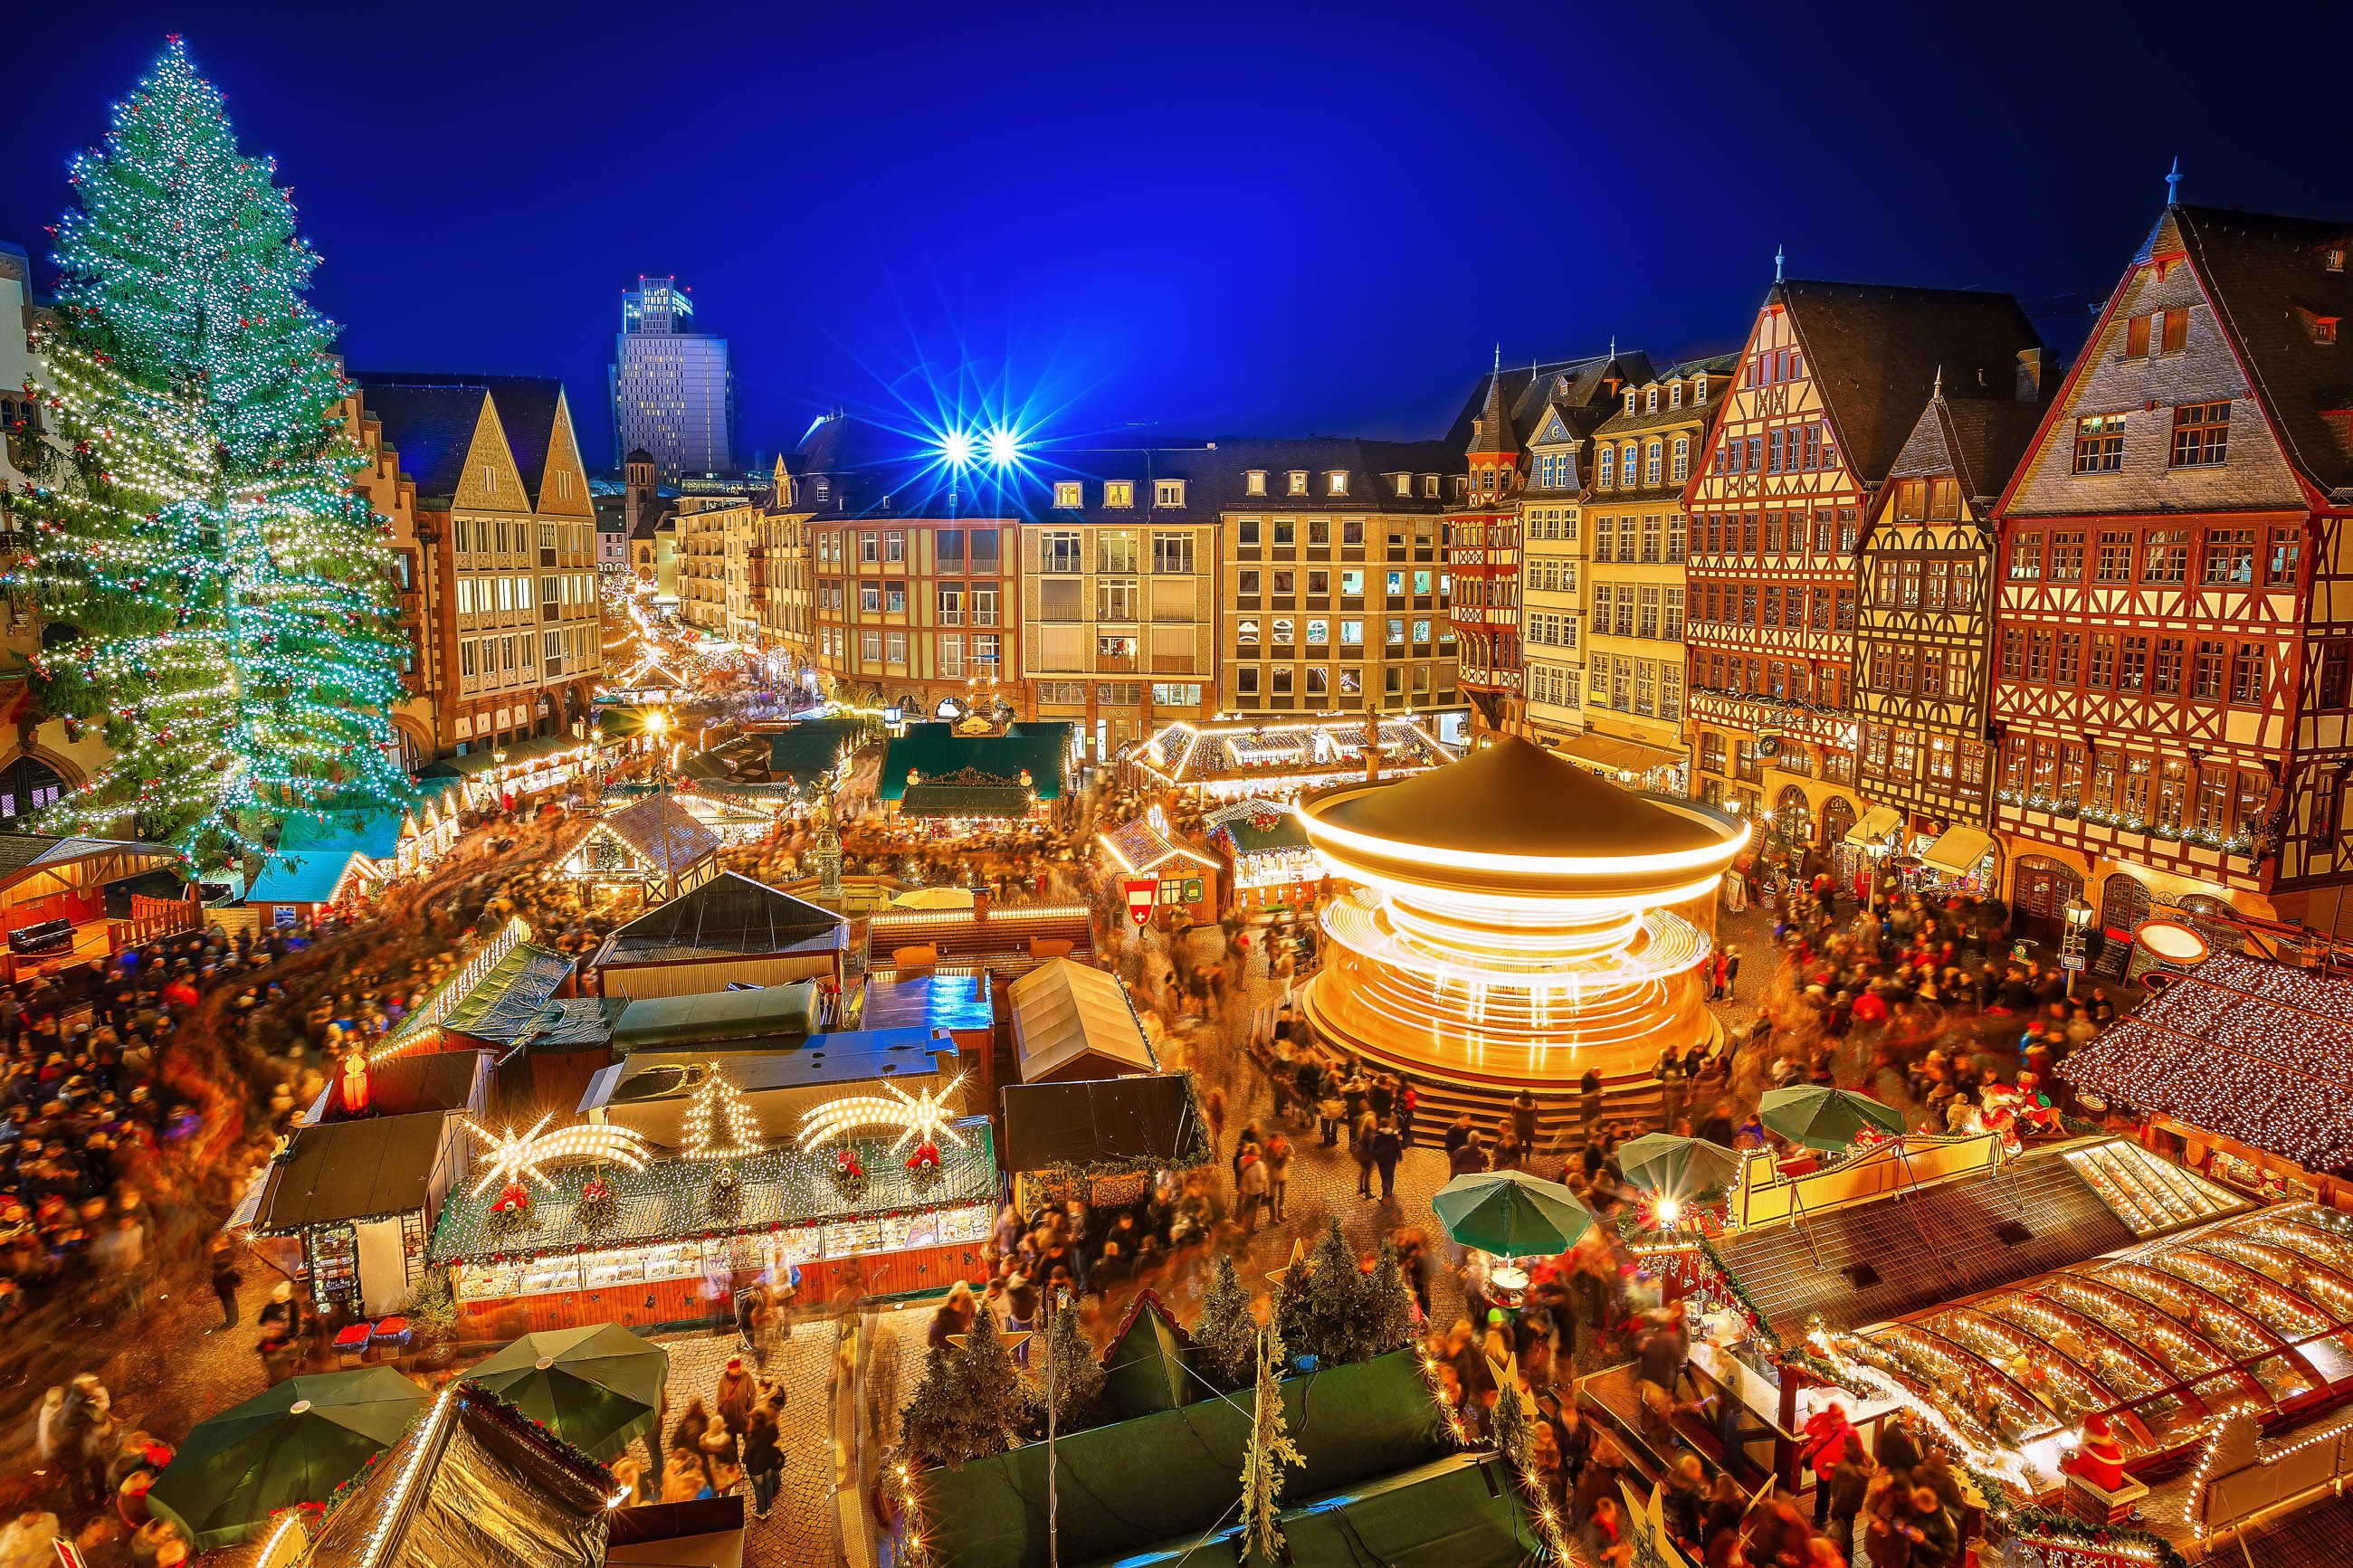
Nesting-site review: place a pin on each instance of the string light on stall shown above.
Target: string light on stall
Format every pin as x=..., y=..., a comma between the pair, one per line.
x=510, y=1156
x=719, y=1120
x=924, y=1117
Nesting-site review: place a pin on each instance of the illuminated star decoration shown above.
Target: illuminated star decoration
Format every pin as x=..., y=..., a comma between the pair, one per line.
x=517, y=1157
x=924, y=1118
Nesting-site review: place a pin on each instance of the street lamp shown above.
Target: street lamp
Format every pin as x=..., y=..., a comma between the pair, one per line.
x=2077, y=918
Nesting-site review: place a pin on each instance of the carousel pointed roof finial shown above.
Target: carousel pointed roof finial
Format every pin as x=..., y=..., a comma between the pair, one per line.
x=1776, y=264
x=1499, y=356
x=2173, y=181
x=1939, y=389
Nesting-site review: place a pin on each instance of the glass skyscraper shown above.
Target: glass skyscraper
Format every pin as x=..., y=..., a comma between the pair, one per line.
x=673, y=393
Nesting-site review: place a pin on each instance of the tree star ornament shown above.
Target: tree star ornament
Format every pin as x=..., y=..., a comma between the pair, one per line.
x=925, y=1117
x=516, y=1158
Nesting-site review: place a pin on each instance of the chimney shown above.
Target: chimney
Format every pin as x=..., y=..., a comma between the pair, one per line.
x=2030, y=375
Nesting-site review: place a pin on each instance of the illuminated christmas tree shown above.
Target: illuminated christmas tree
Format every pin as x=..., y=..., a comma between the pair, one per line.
x=719, y=1120
x=232, y=594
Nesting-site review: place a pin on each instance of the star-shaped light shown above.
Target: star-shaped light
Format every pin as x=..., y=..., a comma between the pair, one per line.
x=924, y=1117
x=512, y=1156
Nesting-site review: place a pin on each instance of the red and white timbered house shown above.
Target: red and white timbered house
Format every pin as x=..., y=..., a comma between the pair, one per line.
x=1833, y=378
x=2176, y=622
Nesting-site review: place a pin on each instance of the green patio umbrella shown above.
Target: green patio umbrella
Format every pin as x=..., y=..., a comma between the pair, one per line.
x=1511, y=1213
x=1820, y=1117
x=596, y=1387
x=1677, y=1167
x=294, y=1443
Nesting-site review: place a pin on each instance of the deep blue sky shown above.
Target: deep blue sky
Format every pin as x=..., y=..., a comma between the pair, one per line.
x=1257, y=220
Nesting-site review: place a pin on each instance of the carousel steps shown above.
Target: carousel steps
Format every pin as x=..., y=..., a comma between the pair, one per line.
x=1560, y=1124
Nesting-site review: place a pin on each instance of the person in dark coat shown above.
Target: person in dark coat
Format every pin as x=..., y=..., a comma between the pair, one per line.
x=1387, y=1150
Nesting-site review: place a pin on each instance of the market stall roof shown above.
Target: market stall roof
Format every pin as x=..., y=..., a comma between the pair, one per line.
x=470, y=1484
x=1147, y=1365
x=970, y=793
x=1877, y=1263
x=710, y=1017
x=810, y=747
x=1241, y=823
x=1099, y=1123
x=1073, y=1022
x=53, y=865
x=1620, y=755
x=1460, y=1511
x=1514, y=798
x=2257, y=1052
x=536, y=749
x=1144, y=845
x=2251, y=1309
x=1958, y=850
x=1231, y=751
x=650, y=1089
x=1876, y=824
x=500, y=1003
x=339, y=1172
x=663, y=834
x=427, y=1081
x=570, y=1023
x=938, y=753
x=730, y=914
x=307, y=877
x=671, y=1198
x=375, y=833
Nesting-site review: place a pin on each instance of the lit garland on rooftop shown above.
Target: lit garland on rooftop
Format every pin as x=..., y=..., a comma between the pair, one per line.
x=200, y=530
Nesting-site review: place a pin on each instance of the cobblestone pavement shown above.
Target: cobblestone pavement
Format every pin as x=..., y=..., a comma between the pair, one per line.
x=800, y=1530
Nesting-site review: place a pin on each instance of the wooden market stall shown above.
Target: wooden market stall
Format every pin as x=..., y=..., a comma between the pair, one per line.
x=1230, y=758
x=941, y=771
x=729, y=931
x=53, y=897
x=1266, y=860
x=655, y=845
x=1072, y=1023
x=1185, y=880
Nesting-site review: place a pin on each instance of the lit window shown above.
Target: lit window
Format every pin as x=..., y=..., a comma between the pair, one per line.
x=1298, y=482
x=1254, y=482
x=1066, y=494
x=1336, y=482
x=1118, y=492
x=1168, y=492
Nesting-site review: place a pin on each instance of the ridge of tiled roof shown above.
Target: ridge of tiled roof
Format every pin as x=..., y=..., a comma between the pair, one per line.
x=1876, y=349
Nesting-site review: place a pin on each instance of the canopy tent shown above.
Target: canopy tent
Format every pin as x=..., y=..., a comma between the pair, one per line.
x=1260, y=827
x=1958, y=850
x=1618, y=756
x=1675, y=1166
x=1460, y=1511
x=1071, y=1022
x=1511, y=1213
x=1876, y=825
x=596, y=1386
x=294, y=1442
x=1149, y=1364
x=761, y=1015
x=1824, y=1118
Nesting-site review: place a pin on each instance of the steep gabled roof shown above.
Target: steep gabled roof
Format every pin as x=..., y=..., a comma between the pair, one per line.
x=1492, y=434
x=528, y=406
x=431, y=428
x=1875, y=352
x=2264, y=277
x=1979, y=440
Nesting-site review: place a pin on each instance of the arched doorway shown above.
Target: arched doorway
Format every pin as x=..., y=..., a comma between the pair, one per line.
x=1838, y=819
x=2041, y=890
x=2124, y=901
x=27, y=786
x=1793, y=818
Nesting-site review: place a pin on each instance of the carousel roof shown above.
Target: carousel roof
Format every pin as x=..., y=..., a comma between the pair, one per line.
x=1513, y=799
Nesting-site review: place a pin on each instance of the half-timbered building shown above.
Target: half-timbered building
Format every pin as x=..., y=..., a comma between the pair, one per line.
x=1482, y=560
x=1832, y=379
x=1923, y=631
x=2176, y=625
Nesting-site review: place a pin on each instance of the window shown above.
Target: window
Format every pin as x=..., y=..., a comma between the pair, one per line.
x=1284, y=631
x=2247, y=674
x=1168, y=492
x=1246, y=680
x=1066, y=494
x=2116, y=556
x=2132, y=667
x=2206, y=675
x=2176, y=330
x=1335, y=483
x=894, y=599
x=2100, y=444
x=2103, y=663
x=1115, y=601
x=2201, y=434
x=1246, y=633
x=1681, y=468
x=1115, y=553
x=1058, y=552
x=466, y=659
x=1172, y=552
x=2136, y=337
x=1653, y=455
x=2279, y=561
x=869, y=647
x=2230, y=555
x=2166, y=675
x=2069, y=665
x=1699, y=396
x=1351, y=634
x=2167, y=558
x=1605, y=472
x=1296, y=482
x=1286, y=530
x=1254, y=482
x=1396, y=633
x=2026, y=558
x=1282, y=677
x=870, y=548
x=984, y=610
x=2066, y=562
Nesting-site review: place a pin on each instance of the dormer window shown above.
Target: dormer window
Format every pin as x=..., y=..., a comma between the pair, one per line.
x=1629, y=400
x=1118, y=492
x=1254, y=482
x=2333, y=258
x=1649, y=400
x=1298, y=486
x=1405, y=484
x=1430, y=486
x=1335, y=483
x=2323, y=328
x=1168, y=492
x=1066, y=495
x=1699, y=389
x=1560, y=386
x=1675, y=396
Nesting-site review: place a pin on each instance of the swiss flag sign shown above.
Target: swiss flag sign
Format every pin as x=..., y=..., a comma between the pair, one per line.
x=1141, y=892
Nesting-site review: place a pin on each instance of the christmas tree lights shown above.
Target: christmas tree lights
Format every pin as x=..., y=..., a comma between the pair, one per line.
x=719, y=1120
x=197, y=525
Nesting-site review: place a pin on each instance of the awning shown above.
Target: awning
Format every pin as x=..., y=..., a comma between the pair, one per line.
x=1876, y=825
x=1625, y=756
x=1958, y=850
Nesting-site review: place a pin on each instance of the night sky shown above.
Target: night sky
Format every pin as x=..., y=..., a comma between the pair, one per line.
x=1200, y=220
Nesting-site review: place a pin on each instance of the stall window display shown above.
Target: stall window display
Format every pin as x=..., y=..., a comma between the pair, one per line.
x=2254, y=1309
x=2147, y=1194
